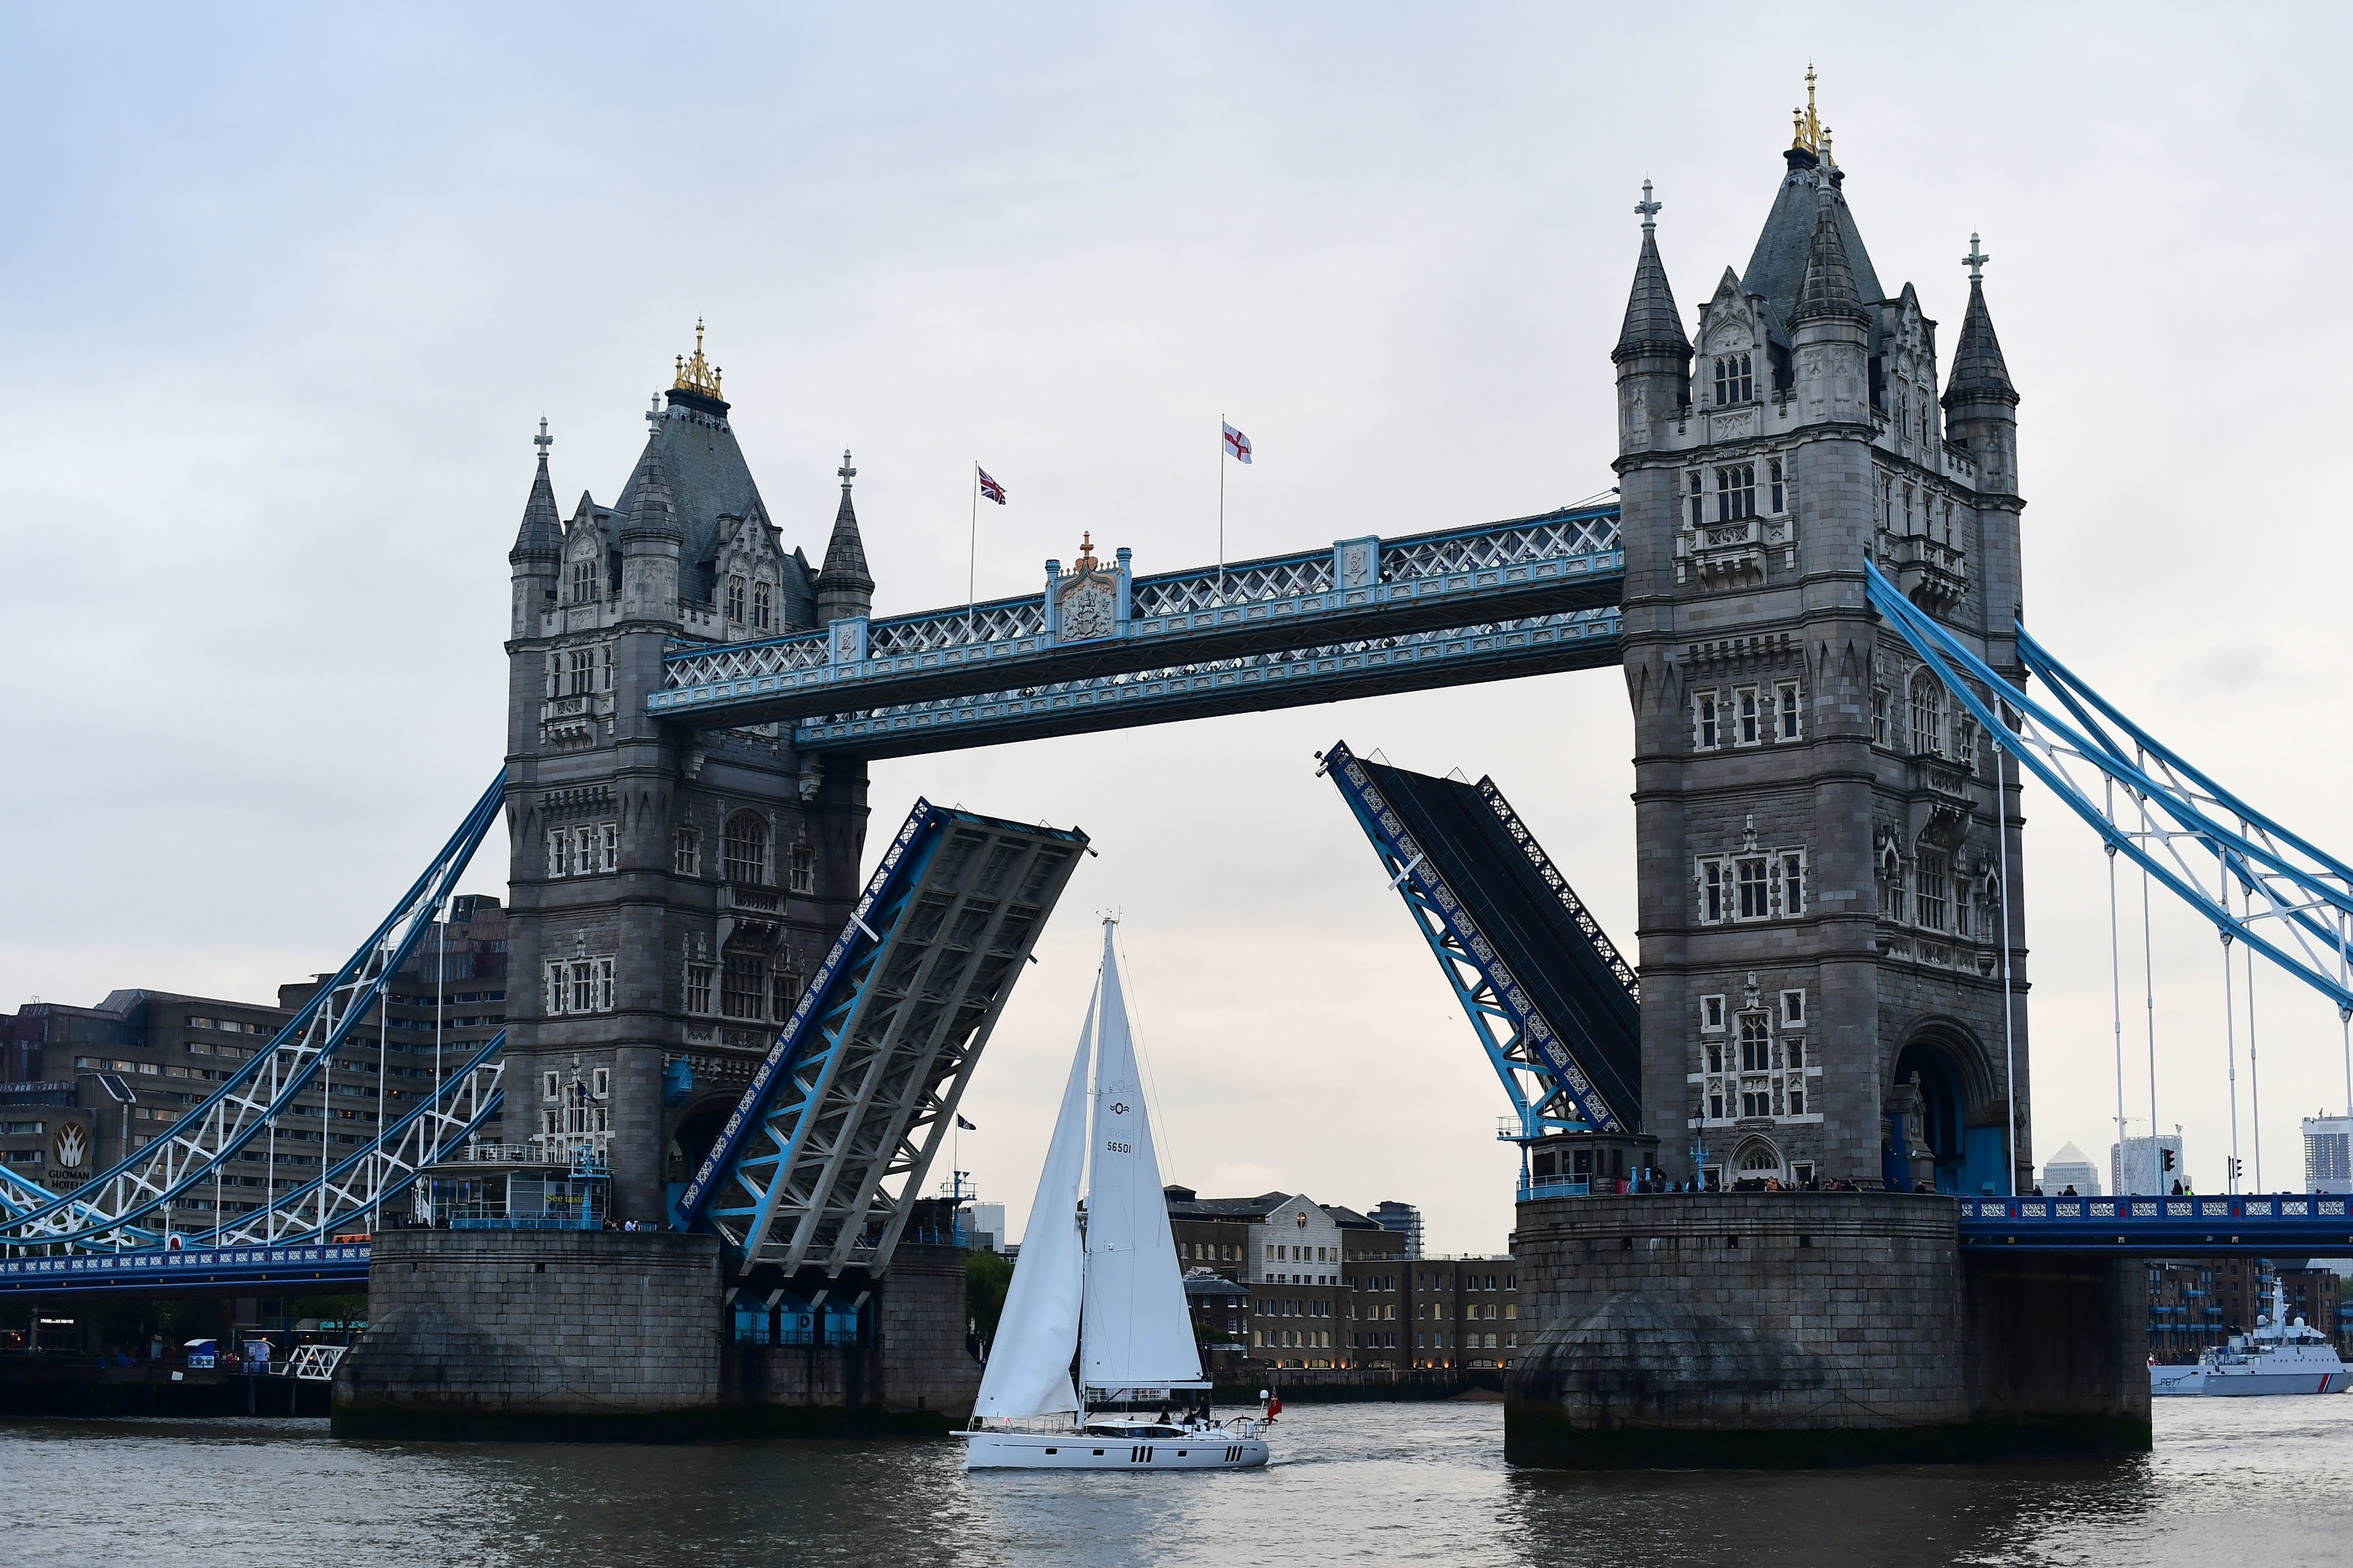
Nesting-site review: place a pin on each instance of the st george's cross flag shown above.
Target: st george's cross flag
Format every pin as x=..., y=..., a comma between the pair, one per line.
x=1237, y=444
x=989, y=487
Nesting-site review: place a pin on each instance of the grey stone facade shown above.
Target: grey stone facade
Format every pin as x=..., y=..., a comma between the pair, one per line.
x=1821, y=884
x=1770, y=1330
x=671, y=889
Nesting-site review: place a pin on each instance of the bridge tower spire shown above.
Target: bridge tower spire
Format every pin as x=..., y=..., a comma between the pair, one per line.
x=1822, y=908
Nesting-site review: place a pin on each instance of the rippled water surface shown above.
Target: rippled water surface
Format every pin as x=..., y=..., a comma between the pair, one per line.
x=2263, y=1482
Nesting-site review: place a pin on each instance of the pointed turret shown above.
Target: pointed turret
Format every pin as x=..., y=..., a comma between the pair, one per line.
x=1979, y=372
x=650, y=543
x=844, y=587
x=1829, y=290
x=541, y=538
x=1980, y=404
x=1653, y=326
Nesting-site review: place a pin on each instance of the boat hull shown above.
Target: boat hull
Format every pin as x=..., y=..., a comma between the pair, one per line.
x=1208, y=1450
x=2184, y=1380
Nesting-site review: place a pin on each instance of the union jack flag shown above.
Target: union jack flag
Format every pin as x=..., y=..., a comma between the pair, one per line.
x=989, y=487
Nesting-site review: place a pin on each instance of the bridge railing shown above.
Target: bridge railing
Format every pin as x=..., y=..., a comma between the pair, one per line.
x=1425, y=580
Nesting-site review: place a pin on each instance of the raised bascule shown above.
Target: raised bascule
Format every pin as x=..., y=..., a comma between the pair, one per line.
x=697, y=1159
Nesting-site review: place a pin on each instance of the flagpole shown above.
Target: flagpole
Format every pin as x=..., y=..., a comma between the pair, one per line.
x=1221, y=508
x=971, y=560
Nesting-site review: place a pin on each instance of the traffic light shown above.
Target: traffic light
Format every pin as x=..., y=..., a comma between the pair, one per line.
x=2233, y=1160
x=2165, y=1159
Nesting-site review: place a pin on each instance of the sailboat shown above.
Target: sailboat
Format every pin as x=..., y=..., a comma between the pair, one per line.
x=1100, y=1285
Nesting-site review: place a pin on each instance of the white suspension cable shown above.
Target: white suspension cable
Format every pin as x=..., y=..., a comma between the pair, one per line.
x=2116, y=980
x=2254, y=1076
x=2008, y=1030
x=2230, y=1034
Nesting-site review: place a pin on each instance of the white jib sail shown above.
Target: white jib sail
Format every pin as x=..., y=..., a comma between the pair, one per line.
x=1028, y=1370
x=1138, y=1334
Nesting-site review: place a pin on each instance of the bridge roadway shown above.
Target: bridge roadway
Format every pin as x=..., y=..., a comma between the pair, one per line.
x=329, y=1264
x=1522, y=596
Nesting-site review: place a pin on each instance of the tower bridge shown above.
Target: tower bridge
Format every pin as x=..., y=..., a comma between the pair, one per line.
x=1811, y=586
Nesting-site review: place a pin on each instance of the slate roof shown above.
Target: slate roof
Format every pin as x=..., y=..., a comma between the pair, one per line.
x=1652, y=325
x=845, y=553
x=541, y=537
x=1978, y=367
x=1777, y=268
x=1829, y=291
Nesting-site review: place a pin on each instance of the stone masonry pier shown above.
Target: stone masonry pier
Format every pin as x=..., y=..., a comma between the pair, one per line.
x=1779, y=1329
x=604, y=1336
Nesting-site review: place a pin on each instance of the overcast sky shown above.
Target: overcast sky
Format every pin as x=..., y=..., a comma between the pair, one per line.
x=286, y=292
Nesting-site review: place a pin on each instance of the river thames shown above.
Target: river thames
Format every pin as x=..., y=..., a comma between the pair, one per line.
x=2267, y=1483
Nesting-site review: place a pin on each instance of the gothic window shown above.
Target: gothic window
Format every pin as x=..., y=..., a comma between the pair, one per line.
x=1706, y=726
x=584, y=582
x=580, y=673
x=1710, y=1013
x=555, y=852
x=550, y=1087
x=1927, y=714
x=604, y=987
x=1793, y=1009
x=1733, y=383
x=1736, y=492
x=1891, y=884
x=608, y=846
x=584, y=986
x=746, y=849
x=1879, y=715
x=744, y=987
x=1756, y=1043
x=736, y=600
x=1928, y=892
x=1963, y=922
x=584, y=851
x=1755, y=903
x=1712, y=890
x=686, y=853
x=698, y=988
x=785, y=987
x=1965, y=742
x=1749, y=731
x=1793, y=883
x=804, y=868
x=761, y=600
x=1784, y=702
x=1697, y=491
x=1781, y=490
x=605, y=667
x=552, y=1004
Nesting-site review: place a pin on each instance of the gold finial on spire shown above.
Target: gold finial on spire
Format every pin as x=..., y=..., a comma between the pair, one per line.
x=1086, y=560
x=694, y=373
x=1809, y=131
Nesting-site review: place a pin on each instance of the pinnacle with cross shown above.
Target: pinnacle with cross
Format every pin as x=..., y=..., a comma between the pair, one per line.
x=845, y=471
x=653, y=414
x=1648, y=208
x=1975, y=261
x=543, y=440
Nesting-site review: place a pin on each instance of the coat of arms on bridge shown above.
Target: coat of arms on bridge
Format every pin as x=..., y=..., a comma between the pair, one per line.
x=1086, y=605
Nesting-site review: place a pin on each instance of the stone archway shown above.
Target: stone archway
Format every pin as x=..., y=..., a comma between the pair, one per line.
x=697, y=1128
x=1756, y=1159
x=1959, y=1120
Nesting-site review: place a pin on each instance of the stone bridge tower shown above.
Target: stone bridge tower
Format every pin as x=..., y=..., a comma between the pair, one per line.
x=1821, y=896
x=671, y=889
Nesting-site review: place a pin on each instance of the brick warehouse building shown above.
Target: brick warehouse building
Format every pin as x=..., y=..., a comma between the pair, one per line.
x=1290, y=1282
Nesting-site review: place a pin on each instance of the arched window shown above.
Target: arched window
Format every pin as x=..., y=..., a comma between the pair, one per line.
x=1734, y=383
x=760, y=607
x=1927, y=715
x=736, y=600
x=745, y=853
x=584, y=581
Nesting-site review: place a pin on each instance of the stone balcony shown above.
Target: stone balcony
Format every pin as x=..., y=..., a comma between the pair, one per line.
x=1933, y=576
x=568, y=724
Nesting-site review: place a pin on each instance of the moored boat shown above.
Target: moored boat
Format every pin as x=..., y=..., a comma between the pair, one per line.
x=2276, y=1358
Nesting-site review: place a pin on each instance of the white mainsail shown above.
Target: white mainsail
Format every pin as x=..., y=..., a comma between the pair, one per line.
x=1028, y=1370
x=1138, y=1334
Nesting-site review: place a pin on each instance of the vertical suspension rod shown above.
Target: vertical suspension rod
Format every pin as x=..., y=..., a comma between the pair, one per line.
x=2009, y=1032
x=2115, y=981
x=2230, y=1027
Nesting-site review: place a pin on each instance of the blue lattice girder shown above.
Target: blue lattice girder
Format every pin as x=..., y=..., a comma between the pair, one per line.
x=1291, y=678
x=106, y=1211
x=1367, y=592
x=2180, y=827
x=823, y=1157
x=1531, y=1054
